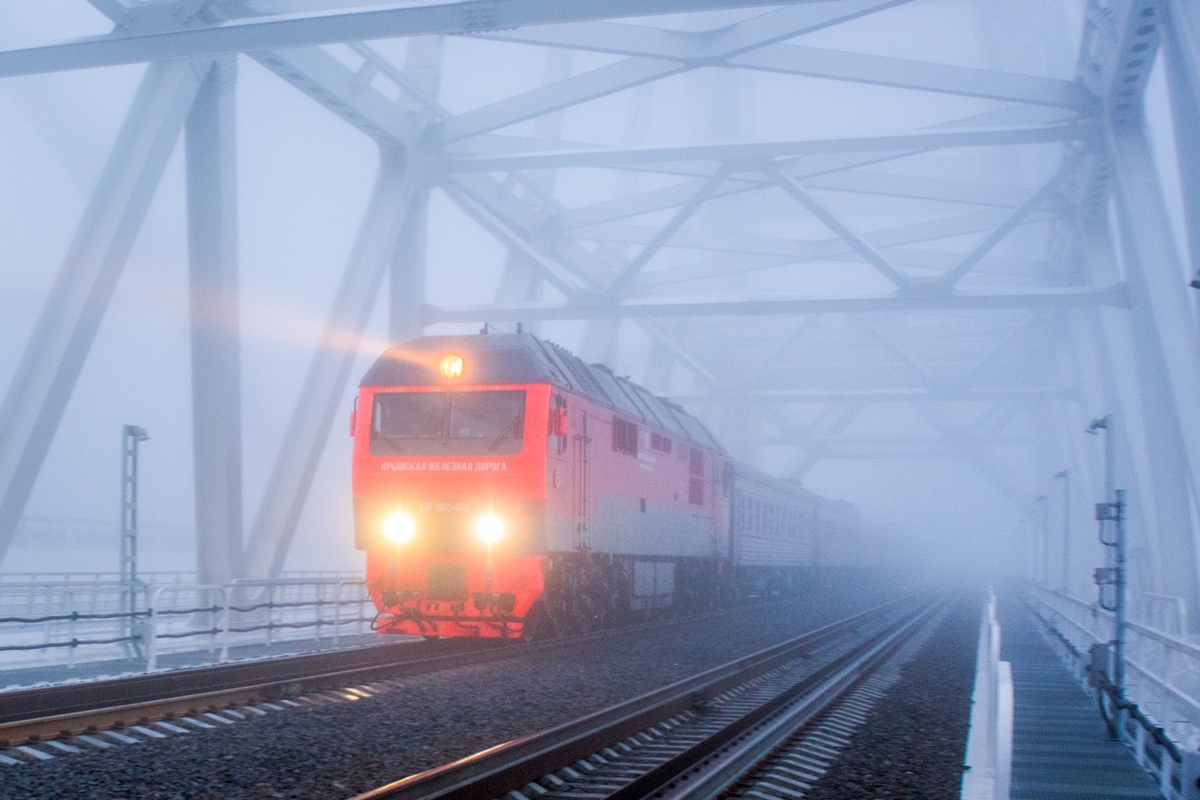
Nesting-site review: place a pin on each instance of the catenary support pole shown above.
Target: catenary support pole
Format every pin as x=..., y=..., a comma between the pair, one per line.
x=1065, y=583
x=131, y=437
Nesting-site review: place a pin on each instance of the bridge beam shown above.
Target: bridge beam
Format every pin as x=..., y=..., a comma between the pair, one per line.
x=216, y=360
x=1182, y=52
x=1033, y=299
x=1164, y=337
x=192, y=40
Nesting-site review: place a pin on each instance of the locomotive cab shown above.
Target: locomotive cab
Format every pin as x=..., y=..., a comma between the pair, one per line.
x=449, y=485
x=502, y=485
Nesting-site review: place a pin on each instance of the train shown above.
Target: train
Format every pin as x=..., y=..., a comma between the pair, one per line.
x=504, y=488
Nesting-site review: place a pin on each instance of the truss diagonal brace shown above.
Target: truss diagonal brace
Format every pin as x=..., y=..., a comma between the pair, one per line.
x=664, y=235
x=1014, y=219
x=324, y=385
x=841, y=229
x=570, y=277
x=973, y=450
x=559, y=278
x=327, y=81
x=788, y=22
x=75, y=307
x=571, y=91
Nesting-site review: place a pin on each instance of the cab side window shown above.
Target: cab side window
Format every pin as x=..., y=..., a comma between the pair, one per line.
x=558, y=423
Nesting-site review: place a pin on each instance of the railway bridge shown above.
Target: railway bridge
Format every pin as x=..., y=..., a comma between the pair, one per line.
x=936, y=257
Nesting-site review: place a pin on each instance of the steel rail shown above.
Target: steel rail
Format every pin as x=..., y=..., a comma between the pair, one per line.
x=49, y=712
x=742, y=746
x=54, y=711
x=22, y=704
x=510, y=766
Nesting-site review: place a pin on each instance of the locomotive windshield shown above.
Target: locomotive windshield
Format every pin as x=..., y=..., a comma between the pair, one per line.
x=448, y=423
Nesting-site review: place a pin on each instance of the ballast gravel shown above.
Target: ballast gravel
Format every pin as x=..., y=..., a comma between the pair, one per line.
x=913, y=744
x=343, y=748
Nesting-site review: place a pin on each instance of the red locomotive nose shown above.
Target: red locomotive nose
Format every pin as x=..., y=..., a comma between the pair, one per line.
x=434, y=596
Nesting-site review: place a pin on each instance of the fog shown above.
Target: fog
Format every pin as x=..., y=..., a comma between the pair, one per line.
x=953, y=483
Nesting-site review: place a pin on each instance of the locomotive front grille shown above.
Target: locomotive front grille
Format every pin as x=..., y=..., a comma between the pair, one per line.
x=447, y=582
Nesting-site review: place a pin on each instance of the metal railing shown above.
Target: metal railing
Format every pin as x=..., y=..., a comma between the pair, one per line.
x=1160, y=709
x=1161, y=612
x=63, y=621
x=1163, y=670
x=24, y=579
x=67, y=623
x=10, y=581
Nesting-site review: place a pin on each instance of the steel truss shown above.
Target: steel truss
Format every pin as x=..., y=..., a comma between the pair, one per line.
x=997, y=260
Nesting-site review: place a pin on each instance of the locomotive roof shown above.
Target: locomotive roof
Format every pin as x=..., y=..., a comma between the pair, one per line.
x=498, y=358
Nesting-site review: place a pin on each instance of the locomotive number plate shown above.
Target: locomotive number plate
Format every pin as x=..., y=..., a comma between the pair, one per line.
x=446, y=507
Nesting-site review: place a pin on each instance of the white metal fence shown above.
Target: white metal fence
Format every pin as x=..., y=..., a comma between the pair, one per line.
x=10, y=582
x=46, y=623
x=1162, y=668
x=1162, y=682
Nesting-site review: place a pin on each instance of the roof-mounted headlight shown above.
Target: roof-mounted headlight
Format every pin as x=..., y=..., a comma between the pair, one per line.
x=451, y=365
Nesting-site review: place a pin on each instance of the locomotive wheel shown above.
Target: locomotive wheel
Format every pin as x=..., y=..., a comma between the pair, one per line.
x=539, y=625
x=584, y=613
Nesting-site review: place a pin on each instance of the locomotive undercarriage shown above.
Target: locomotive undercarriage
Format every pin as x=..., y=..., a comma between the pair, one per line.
x=583, y=591
x=444, y=605
x=453, y=621
x=586, y=591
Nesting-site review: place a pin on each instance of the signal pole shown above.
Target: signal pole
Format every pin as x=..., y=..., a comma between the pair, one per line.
x=1065, y=475
x=1113, y=510
x=130, y=629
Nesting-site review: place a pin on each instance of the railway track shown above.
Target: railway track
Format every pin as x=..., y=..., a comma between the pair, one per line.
x=50, y=713
x=701, y=736
x=55, y=713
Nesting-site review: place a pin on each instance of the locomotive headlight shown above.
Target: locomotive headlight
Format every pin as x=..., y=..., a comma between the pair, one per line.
x=399, y=528
x=489, y=529
x=451, y=366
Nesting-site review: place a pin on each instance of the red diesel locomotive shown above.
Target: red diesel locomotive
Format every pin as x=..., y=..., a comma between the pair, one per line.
x=503, y=487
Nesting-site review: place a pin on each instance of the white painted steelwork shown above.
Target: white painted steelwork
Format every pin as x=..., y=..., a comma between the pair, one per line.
x=53, y=624
x=1163, y=668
